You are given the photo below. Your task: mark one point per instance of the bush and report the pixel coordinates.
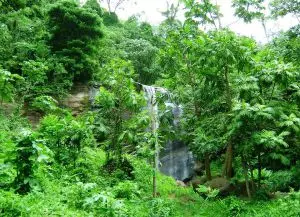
(10, 205)
(120, 169)
(127, 190)
(46, 104)
(160, 208)
(66, 137)
(30, 151)
(104, 204)
(289, 206)
(235, 206)
(280, 181)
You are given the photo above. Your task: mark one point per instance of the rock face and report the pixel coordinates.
(78, 99)
(177, 161)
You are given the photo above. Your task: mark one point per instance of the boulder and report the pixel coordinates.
(222, 184)
(198, 181)
(199, 168)
(180, 183)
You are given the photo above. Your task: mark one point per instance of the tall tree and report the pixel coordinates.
(113, 5)
(282, 8)
(75, 34)
(250, 10)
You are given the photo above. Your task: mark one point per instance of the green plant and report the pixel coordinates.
(10, 205)
(105, 203)
(160, 208)
(280, 181)
(207, 191)
(118, 102)
(127, 190)
(8, 85)
(66, 137)
(46, 104)
(236, 207)
(30, 151)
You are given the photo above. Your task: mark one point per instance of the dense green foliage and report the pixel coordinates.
(240, 100)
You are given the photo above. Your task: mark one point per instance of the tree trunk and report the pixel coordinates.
(227, 169)
(252, 178)
(245, 170)
(263, 22)
(259, 169)
(207, 167)
(154, 178)
(228, 91)
(155, 166)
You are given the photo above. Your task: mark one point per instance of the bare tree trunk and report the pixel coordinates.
(225, 164)
(155, 166)
(154, 178)
(219, 18)
(259, 169)
(245, 170)
(227, 169)
(227, 172)
(263, 22)
(252, 178)
(207, 167)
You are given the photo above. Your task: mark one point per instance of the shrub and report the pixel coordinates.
(280, 181)
(235, 206)
(29, 152)
(289, 206)
(160, 208)
(120, 169)
(208, 192)
(104, 204)
(66, 136)
(46, 104)
(126, 190)
(10, 205)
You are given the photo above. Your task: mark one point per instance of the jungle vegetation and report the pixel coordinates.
(240, 99)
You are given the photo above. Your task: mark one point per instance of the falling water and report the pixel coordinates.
(94, 90)
(175, 159)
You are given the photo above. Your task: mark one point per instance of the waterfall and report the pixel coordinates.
(174, 159)
(150, 92)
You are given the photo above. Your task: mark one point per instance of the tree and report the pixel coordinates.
(75, 34)
(142, 54)
(7, 6)
(94, 5)
(8, 85)
(281, 8)
(202, 69)
(113, 5)
(203, 12)
(119, 102)
(250, 10)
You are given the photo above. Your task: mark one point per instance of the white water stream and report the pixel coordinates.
(175, 160)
